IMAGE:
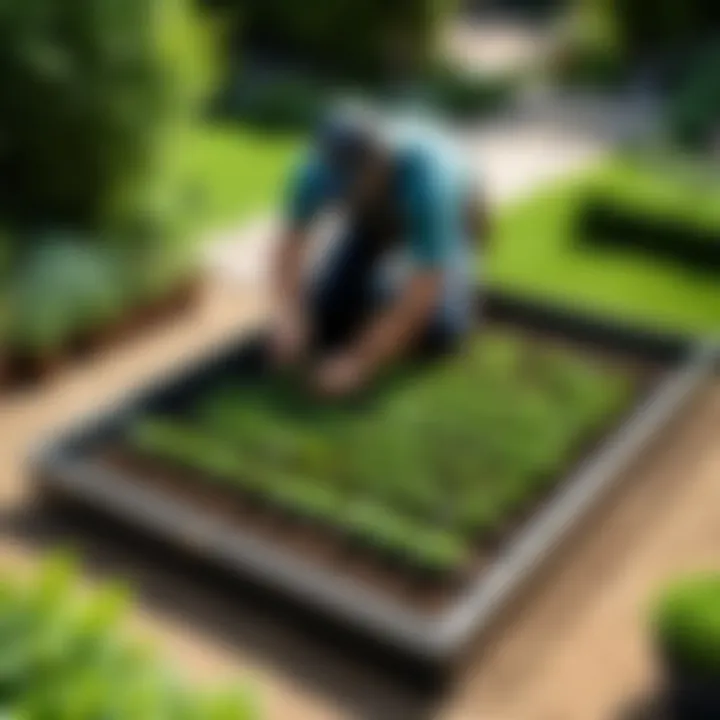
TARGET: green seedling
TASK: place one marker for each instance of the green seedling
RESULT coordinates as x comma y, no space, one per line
68,656
465,443
687,625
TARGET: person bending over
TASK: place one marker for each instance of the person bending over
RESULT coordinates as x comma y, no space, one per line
401,277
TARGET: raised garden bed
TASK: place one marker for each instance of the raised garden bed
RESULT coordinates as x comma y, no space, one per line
22,367
412,516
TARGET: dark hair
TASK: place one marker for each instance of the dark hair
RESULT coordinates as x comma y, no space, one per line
347,139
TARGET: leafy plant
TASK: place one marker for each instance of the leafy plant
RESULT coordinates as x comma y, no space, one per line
687,624
65,655
288,102
464,95
65,287
694,113
351,37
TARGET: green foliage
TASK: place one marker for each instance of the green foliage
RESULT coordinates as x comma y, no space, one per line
592,52
65,655
670,24
359,37
687,625
288,102
64,288
667,189
465,95
96,98
90,90
694,115
537,253
236,172
417,469
661,209
630,28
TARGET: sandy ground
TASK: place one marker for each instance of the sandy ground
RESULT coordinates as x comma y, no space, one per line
494,44
575,649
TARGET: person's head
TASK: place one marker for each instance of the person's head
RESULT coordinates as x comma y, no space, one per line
353,143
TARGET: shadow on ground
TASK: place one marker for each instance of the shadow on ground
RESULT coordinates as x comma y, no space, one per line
367,682
651,708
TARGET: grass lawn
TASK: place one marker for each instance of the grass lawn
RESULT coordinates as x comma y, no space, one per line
664,189
237,171
536,254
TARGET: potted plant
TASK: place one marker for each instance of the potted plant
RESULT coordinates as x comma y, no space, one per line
687,634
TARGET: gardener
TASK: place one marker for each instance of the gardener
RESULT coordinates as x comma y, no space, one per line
400,278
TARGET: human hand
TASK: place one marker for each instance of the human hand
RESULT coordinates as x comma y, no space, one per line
289,340
341,375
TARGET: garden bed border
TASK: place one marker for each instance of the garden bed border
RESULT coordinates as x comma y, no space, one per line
434,639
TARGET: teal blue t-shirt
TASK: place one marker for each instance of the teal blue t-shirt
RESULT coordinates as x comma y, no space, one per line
432,194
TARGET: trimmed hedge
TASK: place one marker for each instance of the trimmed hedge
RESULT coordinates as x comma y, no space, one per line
654,208
604,223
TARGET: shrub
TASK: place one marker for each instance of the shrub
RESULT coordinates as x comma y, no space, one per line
289,102
62,289
89,91
671,24
657,207
694,114
465,95
66,654
591,51
356,37
687,626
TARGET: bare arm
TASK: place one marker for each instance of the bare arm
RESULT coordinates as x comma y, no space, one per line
290,332
400,325
287,272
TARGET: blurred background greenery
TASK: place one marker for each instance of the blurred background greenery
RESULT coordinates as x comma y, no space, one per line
129,128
